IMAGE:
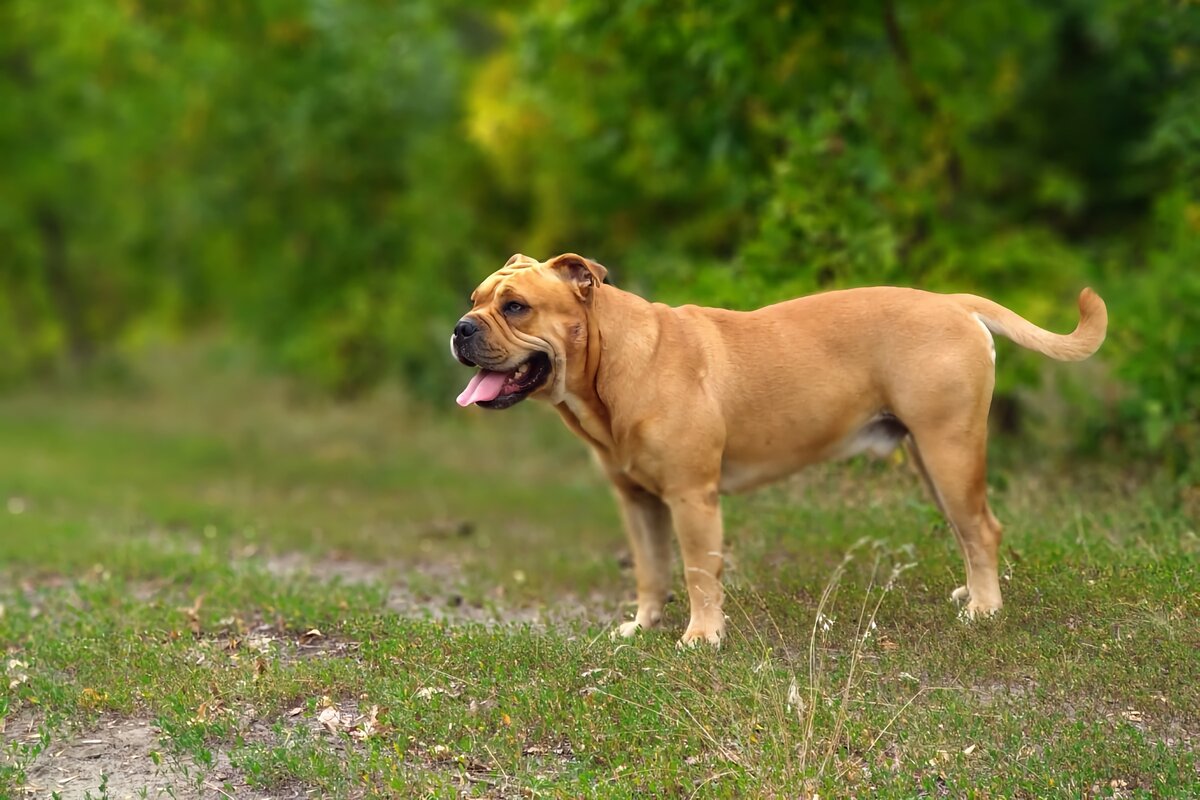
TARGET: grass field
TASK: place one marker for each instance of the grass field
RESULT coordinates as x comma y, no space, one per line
212,588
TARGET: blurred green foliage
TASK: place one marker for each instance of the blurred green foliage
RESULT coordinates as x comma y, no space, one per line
331,177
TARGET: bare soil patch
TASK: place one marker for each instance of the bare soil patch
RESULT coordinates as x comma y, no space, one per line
435,590
123,758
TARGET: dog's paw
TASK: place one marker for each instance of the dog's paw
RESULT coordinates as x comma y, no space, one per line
698,635
626,629
960,595
974,611
645,619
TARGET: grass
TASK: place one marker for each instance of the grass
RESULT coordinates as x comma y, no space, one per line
305,597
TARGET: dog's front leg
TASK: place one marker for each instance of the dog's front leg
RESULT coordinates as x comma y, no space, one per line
648,524
697,517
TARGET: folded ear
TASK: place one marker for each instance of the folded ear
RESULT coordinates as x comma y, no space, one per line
583,273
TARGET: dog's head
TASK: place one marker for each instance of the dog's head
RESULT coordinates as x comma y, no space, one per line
527,330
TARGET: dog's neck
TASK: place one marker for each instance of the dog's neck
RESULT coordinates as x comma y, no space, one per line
612,339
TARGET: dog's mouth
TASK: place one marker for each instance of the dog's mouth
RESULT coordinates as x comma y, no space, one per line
497,390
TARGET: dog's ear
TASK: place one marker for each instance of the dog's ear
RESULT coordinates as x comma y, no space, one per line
583,273
606,272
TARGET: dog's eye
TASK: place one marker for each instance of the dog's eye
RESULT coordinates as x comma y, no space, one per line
513,307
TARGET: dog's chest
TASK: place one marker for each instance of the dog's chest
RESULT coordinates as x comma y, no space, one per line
589,422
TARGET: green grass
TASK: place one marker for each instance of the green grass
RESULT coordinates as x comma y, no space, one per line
166,548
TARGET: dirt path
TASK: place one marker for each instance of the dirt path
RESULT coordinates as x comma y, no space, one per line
123,759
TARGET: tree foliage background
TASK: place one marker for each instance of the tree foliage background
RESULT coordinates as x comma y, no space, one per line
330,177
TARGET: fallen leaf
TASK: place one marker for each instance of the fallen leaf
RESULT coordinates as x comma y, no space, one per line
367,726
475,706
91,697
193,614
968,750
16,673
330,719
260,643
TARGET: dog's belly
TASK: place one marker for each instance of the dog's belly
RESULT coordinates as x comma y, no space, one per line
743,476
742,471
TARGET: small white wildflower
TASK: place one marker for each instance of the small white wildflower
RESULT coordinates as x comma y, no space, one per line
794,700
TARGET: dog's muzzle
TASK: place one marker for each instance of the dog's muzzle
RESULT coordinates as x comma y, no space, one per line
494,386
461,341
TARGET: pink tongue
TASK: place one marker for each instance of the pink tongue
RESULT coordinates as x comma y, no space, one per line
483,387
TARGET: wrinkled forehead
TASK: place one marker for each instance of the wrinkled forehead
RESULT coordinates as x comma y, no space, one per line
522,277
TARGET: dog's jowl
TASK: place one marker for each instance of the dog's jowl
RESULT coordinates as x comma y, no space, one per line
682,404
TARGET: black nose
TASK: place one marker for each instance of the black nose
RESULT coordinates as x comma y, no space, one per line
465,328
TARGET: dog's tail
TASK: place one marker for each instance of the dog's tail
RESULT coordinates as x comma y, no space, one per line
1074,346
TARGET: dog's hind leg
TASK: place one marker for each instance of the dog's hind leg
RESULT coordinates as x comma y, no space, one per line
953,458
648,526
959,595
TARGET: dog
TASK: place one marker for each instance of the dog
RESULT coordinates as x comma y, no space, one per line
683,404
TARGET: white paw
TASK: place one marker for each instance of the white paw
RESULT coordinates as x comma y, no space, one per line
626,629
977,611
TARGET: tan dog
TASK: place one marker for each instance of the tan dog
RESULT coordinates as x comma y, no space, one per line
682,404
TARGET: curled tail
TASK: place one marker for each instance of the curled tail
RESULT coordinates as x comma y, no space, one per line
1074,346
